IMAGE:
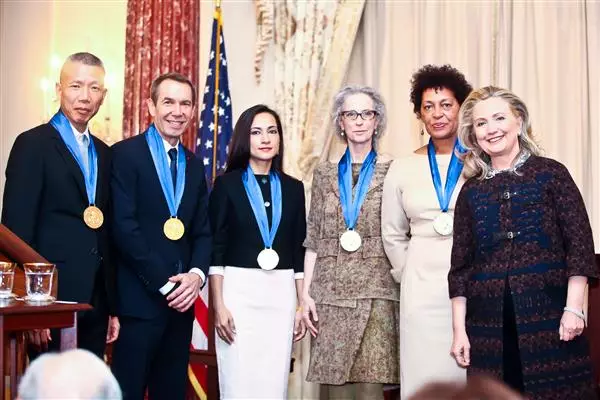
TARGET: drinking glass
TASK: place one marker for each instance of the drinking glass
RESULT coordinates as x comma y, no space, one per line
7,279
38,282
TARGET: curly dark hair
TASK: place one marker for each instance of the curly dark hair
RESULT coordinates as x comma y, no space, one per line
437,77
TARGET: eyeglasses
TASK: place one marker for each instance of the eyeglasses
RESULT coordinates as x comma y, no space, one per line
366,115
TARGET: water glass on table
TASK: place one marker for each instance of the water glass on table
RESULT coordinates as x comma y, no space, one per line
38,282
7,279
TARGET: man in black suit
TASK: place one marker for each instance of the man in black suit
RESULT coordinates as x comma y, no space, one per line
56,194
163,240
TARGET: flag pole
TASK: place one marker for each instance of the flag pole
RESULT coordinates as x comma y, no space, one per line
216,103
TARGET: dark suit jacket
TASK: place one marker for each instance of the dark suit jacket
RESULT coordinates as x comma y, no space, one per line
145,257
237,239
44,200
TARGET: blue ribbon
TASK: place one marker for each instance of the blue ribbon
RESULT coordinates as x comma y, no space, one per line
161,163
258,204
452,177
60,122
351,206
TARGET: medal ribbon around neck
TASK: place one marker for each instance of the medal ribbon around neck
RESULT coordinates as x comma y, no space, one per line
258,204
351,206
159,156
454,171
60,122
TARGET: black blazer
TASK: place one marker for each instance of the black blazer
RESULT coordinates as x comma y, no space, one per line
145,257
44,200
236,237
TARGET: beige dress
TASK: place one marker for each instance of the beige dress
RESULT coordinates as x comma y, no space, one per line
355,295
421,260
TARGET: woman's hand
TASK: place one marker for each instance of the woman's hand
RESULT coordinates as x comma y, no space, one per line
299,326
224,324
571,326
309,314
461,348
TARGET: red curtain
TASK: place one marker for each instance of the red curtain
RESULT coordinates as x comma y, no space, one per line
162,36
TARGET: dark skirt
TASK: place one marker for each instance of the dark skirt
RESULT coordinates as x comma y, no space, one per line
512,363
512,369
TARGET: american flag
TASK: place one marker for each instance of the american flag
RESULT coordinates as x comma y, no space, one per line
215,127
214,133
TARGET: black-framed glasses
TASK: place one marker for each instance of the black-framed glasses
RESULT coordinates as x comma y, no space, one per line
366,115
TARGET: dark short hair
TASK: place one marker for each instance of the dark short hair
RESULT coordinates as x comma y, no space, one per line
171,76
86,59
239,147
438,77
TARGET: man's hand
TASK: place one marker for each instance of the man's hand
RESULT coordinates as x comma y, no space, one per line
186,294
39,338
113,329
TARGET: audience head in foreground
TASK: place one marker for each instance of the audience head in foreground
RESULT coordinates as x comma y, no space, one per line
476,388
74,374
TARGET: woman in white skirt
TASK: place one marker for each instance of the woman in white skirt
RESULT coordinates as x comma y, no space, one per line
257,215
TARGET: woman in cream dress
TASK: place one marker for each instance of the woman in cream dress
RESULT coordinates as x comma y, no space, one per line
417,230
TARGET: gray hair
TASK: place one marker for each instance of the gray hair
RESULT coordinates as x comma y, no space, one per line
378,105
476,161
73,374
86,58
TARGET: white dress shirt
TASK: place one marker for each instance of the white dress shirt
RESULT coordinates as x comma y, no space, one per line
80,137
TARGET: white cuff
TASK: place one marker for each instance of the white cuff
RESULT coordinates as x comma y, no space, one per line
299,275
198,272
216,271
166,288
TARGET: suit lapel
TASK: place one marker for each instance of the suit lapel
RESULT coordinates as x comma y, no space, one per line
188,180
189,177
151,168
333,181
241,197
378,177
101,177
69,161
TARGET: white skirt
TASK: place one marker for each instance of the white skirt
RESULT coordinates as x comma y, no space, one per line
263,305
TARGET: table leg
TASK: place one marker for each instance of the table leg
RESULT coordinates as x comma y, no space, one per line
213,383
21,356
13,363
68,336
2,386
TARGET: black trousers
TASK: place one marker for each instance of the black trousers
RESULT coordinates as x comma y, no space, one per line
153,354
511,357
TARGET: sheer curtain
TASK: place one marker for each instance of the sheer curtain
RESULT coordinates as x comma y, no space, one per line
396,38
549,54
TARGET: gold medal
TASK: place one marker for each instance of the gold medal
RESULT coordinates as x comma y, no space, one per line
93,217
173,228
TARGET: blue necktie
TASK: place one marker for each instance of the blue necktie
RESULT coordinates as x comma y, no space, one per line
173,156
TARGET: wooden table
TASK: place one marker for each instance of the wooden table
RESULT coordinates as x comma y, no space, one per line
18,317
